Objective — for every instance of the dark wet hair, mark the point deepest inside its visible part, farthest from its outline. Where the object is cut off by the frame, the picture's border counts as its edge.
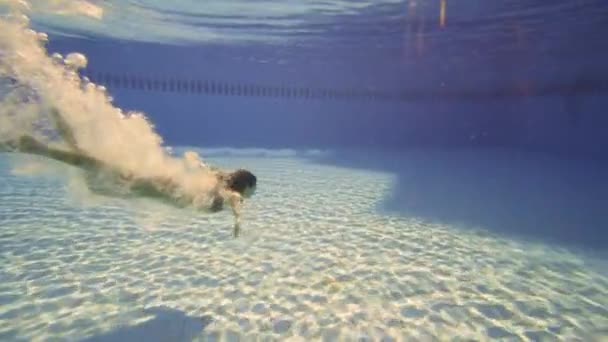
(240, 180)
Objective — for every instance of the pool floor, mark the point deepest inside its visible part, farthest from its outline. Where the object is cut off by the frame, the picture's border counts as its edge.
(316, 260)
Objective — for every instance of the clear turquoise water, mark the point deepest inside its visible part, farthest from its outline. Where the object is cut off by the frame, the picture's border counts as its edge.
(316, 260)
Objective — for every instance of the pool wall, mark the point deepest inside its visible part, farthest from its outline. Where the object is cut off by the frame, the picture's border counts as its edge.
(487, 105)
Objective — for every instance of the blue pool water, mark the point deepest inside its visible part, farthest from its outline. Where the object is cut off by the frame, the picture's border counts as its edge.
(427, 170)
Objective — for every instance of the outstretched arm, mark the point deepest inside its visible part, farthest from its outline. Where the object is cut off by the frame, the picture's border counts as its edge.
(235, 200)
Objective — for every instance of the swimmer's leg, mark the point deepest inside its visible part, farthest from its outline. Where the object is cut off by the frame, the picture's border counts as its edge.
(64, 129)
(27, 144)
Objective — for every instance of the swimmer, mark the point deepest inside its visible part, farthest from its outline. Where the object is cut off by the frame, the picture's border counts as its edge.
(232, 188)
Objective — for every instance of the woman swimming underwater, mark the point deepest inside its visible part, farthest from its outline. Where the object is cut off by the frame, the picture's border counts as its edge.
(229, 188)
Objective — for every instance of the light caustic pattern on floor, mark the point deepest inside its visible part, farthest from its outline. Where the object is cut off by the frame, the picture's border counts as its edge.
(315, 261)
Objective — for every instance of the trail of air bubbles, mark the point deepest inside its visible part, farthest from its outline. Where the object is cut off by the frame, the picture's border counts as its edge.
(33, 83)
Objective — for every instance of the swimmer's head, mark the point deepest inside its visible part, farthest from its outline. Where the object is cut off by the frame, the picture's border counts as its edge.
(243, 182)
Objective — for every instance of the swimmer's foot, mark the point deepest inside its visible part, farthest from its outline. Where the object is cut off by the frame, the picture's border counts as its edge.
(9, 146)
(29, 144)
(23, 144)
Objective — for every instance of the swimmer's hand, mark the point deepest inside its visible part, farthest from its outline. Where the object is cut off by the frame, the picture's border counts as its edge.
(237, 229)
